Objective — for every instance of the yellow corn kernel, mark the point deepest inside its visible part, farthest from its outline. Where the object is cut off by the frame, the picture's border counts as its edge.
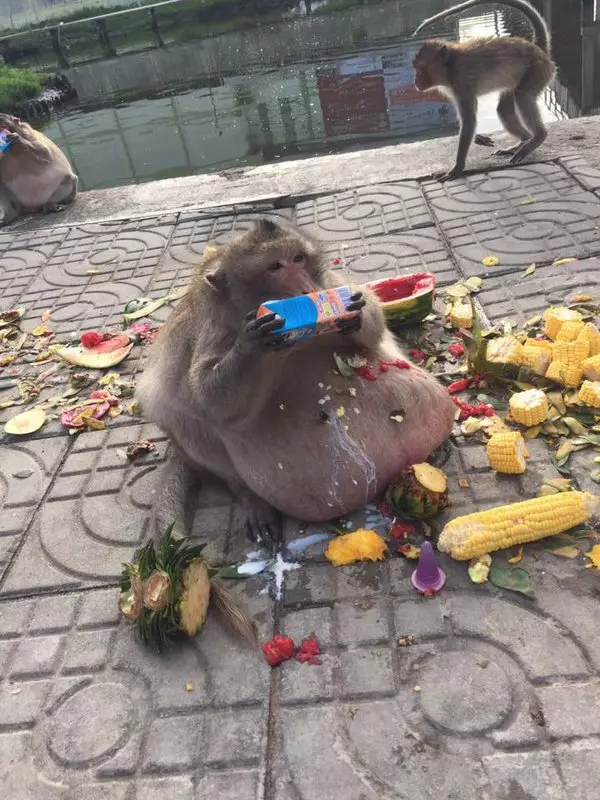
(461, 316)
(506, 452)
(504, 350)
(569, 375)
(571, 352)
(476, 534)
(590, 393)
(591, 368)
(569, 331)
(529, 408)
(537, 355)
(591, 334)
(554, 319)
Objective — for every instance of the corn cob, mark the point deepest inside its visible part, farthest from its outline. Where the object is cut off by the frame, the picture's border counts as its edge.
(537, 355)
(590, 393)
(565, 374)
(476, 534)
(592, 335)
(569, 331)
(529, 408)
(554, 318)
(504, 350)
(461, 316)
(571, 352)
(591, 368)
(506, 453)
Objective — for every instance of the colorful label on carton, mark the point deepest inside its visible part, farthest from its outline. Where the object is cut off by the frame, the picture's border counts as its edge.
(5, 142)
(310, 314)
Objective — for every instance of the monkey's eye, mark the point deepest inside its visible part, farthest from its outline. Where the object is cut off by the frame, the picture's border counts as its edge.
(274, 267)
(298, 258)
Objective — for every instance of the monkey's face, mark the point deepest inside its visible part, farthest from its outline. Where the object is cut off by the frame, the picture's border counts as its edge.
(272, 263)
(430, 66)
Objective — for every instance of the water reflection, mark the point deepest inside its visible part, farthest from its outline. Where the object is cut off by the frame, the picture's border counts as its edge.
(306, 85)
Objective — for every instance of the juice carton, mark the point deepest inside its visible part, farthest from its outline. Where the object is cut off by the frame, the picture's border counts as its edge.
(5, 142)
(310, 314)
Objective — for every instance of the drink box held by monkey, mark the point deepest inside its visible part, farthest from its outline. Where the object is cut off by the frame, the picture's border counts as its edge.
(5, 142)
(310, 314)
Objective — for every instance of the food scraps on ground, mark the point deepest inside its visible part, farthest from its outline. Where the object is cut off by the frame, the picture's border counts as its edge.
(506, 453)
(89, 413)
(428, 578)
(26, 422)
(139, 448)
(421, 491)
(360, 545)
(483, 532)
(166, 589)
(91, 339)
(529, 407)
(278, 649)
(108, 353)
(479, 568)
(309, 650)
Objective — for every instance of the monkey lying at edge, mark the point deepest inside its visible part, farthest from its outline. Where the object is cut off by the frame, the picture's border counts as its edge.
(265, 417)
(521, 70)
(35, 175)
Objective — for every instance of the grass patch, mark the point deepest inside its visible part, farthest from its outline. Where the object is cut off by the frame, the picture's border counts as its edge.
(17, 84)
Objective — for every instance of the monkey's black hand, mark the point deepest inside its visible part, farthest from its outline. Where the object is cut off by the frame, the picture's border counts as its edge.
(357, 303)
(484, 141)
(261, 331)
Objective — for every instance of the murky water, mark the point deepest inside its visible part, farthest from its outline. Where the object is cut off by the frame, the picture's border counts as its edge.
(320, 79)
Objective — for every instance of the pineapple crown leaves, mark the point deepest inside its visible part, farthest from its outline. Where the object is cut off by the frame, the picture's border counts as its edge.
(171, 556)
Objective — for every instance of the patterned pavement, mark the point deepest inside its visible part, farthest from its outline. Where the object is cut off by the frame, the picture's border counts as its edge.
(497, 698)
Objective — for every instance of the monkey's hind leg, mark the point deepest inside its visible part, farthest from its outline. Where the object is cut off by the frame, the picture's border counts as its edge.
(173, 499)
(511, 123)
(263, 523)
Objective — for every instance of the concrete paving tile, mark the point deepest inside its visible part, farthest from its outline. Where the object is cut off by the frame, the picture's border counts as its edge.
(521, 215)
(365, 212)
(127, 722)
(520, 298)
(582, 171)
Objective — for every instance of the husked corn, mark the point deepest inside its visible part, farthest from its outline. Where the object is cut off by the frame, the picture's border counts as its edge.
(569, 331)
(569, 375)
(537, 354)
(461, 316)
(506, 452)
(571, 352)
(591, 368)
(590, 393)
(529, 408)
(504, 350)
(591, 333)
(554, 318)
(476, 534)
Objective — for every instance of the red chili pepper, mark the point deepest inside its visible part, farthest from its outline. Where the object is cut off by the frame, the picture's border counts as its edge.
(399, 364)
(459, 385)
(309, 650)
(400, 530)
(367, 373)
(91, 339)
(336, 262)
(278, 650)
(417, 355)
(457, 349)
(383, 367)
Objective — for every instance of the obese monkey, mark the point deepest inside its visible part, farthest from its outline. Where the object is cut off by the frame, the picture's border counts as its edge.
(274, 420)
(519, 69)
(35, 175)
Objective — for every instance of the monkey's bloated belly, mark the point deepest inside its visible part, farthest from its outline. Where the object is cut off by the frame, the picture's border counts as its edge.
(335, 443)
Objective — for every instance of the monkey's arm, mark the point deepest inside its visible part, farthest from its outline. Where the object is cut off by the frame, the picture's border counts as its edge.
(29, 140)
(234, 388)
(371, 323)
(467, 109)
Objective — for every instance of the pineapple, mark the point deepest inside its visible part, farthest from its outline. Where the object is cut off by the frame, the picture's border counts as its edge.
(421, 491)
(167, 590)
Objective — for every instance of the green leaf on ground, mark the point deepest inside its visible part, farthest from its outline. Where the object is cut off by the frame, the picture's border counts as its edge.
(513, 578)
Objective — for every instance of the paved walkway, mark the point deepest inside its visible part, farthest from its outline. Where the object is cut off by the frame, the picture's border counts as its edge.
(508, 706)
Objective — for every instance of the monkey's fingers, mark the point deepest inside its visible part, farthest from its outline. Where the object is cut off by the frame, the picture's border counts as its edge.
(346, 326)
(484, 141)
(451, 175)
(263, 326)
(357, 305)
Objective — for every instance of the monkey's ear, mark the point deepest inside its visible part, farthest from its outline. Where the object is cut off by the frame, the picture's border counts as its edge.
(216, 280)
(267, 228)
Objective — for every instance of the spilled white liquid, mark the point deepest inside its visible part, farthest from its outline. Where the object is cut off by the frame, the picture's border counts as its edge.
(347, 451)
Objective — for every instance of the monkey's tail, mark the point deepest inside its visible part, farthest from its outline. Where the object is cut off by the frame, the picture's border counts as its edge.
(233, 615)
(540, 29)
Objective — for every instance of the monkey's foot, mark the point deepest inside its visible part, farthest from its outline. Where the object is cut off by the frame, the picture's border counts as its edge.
(506, 151)
(451, 175)
(264, 524)
(484, 141)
